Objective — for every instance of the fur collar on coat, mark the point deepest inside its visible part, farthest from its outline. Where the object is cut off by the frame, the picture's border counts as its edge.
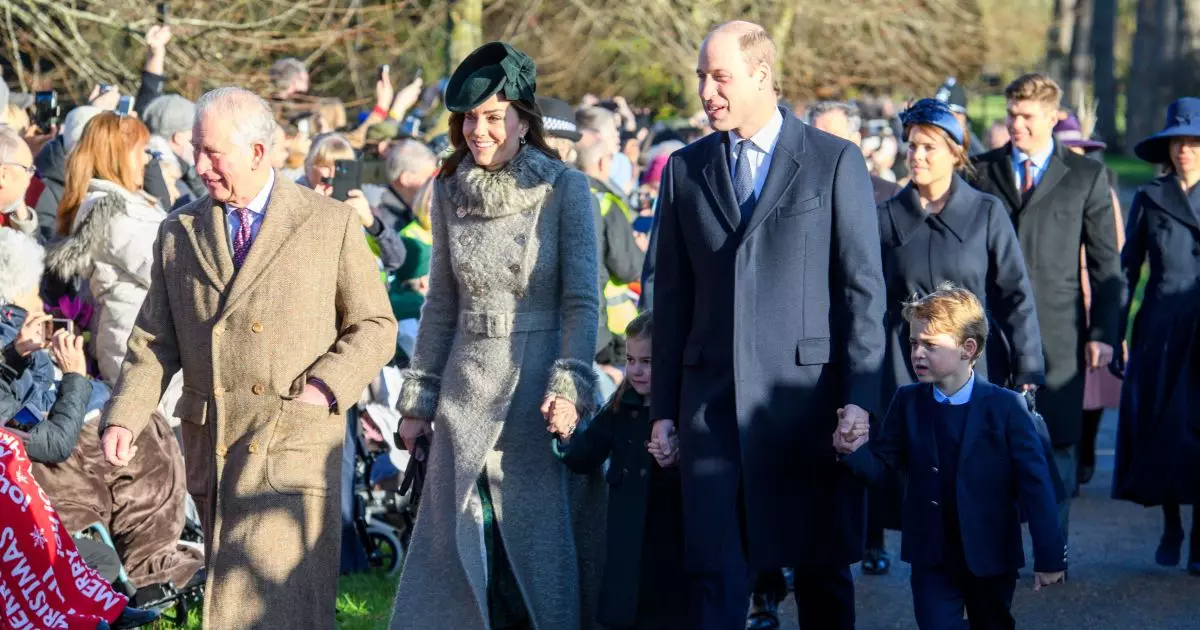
(523, 184)
(105, 201)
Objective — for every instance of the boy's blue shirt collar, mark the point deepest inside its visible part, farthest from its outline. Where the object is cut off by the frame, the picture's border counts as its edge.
(961, 397)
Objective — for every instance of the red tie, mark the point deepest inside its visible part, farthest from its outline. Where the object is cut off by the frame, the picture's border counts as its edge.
(1027, 180)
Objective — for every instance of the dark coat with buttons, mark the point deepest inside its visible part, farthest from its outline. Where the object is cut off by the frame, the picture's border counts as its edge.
(645, 515)
(1002, 466)
(762, 331)
(971, 243)
(1158, 442)
(1070, 207)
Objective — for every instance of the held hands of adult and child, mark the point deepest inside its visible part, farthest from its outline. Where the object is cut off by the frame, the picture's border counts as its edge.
(853, 432)
(562, 417)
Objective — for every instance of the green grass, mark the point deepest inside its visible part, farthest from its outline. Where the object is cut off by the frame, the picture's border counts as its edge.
(1130, 170)
(364, 603)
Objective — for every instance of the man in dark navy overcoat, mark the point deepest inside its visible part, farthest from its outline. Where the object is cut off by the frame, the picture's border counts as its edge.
(769, 299)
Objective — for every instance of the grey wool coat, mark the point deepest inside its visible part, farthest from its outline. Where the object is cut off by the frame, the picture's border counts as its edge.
(511, 317)
(263, 468)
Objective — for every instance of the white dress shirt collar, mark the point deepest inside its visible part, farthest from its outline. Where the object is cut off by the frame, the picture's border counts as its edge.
(961, 397)
(766, 138)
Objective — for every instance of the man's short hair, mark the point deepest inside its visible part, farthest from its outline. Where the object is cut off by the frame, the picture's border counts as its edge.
(1034, 87)
(10, 143)
(595, 119)
(21, 265)
(407, 156)
(951, 310)
(820, 108)
(756, 45)
(169, 114)
(284, 71)
(590, 154)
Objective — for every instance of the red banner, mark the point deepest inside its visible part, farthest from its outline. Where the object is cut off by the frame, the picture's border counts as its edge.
(43, 581)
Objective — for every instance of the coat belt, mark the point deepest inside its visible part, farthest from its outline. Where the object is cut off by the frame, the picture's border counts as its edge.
(505, 323)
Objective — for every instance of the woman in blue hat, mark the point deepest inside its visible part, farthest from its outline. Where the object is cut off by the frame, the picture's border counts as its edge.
(507, 336)
(939, 229)
(1158, 439)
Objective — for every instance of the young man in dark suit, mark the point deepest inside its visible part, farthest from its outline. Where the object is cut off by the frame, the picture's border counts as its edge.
(1058, 202)
(770, 307)
(972, 456)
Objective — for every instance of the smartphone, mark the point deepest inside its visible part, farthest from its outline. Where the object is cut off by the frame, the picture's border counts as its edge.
(53, 326)
(347, 176)
(124, 106)
(46, 109)
(163, 13)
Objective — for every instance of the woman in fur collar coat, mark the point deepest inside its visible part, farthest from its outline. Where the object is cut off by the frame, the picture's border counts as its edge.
(508, 328)
(110, 225)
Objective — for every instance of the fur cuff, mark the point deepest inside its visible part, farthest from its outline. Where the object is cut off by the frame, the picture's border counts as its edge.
(419, 395)
(576, 381)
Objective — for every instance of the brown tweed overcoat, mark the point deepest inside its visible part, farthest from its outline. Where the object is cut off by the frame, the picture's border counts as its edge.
(263, 468)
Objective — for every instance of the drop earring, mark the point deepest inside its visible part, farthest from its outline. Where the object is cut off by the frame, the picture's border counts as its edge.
(522, 140)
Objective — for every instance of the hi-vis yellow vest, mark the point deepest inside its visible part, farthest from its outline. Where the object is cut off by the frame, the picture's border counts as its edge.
(621, 303)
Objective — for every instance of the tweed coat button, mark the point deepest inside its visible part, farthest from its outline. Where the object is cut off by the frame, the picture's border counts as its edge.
(218, 392)
(515, 268)
(256, 327)
(253, 447)
(258, 389)
(222, 452)
(520, 239)
(218, 330)
(462, 213)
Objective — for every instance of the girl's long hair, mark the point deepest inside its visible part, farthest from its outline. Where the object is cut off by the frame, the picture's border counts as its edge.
(104, 152)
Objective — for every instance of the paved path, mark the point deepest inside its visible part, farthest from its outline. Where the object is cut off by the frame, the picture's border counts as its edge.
(1114, 581)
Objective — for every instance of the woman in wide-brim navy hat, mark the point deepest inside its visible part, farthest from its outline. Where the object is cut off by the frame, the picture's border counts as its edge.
(508, 333)
(1158, 439)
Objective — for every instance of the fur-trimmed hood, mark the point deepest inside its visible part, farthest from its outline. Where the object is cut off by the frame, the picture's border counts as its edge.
(523, 183)
(105, 202)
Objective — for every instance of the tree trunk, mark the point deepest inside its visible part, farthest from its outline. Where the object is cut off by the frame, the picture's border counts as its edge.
(1166, 62)
(1079, 76)
(1104, 79)
(466, 30)
(1058, 44)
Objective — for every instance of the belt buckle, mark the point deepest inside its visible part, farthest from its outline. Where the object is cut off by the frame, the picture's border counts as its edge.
(495, 324)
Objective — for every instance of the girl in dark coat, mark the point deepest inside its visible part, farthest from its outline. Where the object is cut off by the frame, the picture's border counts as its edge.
(643, 576)
(1158, 439)
(939, 229)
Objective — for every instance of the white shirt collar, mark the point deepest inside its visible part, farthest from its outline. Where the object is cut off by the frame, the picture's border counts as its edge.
(1039, 159)
(258, 205)
(961, 397)
(766, 138)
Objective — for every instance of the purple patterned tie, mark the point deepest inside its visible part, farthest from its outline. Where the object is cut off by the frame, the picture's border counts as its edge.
(241, 239)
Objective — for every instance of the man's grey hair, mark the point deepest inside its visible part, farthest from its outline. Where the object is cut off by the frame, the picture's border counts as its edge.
(820, 108)
(407, 156)
(284, 71)
(10, 143)
(590, 155)
(21, 263)
(596, 119)
(169, 114)
(253, 120)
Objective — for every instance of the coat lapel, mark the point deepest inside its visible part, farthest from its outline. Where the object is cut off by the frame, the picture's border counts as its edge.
(1056, 169)
(206, 229)
(785, 165)
(960, 208)
(1168, 195)
(720, 182)
(286, 211)
(906, 214)
(1006, 179)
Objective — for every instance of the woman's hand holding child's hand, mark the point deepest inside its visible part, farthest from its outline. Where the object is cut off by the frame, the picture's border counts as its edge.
(664, 443)
(561, 416)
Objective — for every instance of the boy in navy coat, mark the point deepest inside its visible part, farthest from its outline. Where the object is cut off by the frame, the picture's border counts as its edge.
(972, 456)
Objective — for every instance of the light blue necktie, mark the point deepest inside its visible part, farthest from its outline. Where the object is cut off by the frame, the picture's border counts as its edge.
(743, 182)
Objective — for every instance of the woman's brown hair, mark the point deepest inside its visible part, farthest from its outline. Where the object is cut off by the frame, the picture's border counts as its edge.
(102, 153)
(962, 159)
(535, 138)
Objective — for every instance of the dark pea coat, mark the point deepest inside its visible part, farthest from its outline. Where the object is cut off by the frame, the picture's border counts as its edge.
(1069, 207)
(971, 243)
(1158, 439)
(762, 332)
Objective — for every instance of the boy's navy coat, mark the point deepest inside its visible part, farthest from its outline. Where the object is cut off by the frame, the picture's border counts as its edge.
(1002, 466)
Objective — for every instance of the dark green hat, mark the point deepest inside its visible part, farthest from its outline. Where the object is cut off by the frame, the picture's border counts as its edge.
(492, 68)
(416, 260)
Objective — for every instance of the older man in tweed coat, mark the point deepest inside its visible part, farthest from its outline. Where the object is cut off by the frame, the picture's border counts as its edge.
(268, 298)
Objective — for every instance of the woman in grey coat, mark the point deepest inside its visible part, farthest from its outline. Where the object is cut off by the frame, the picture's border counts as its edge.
(508, 330)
